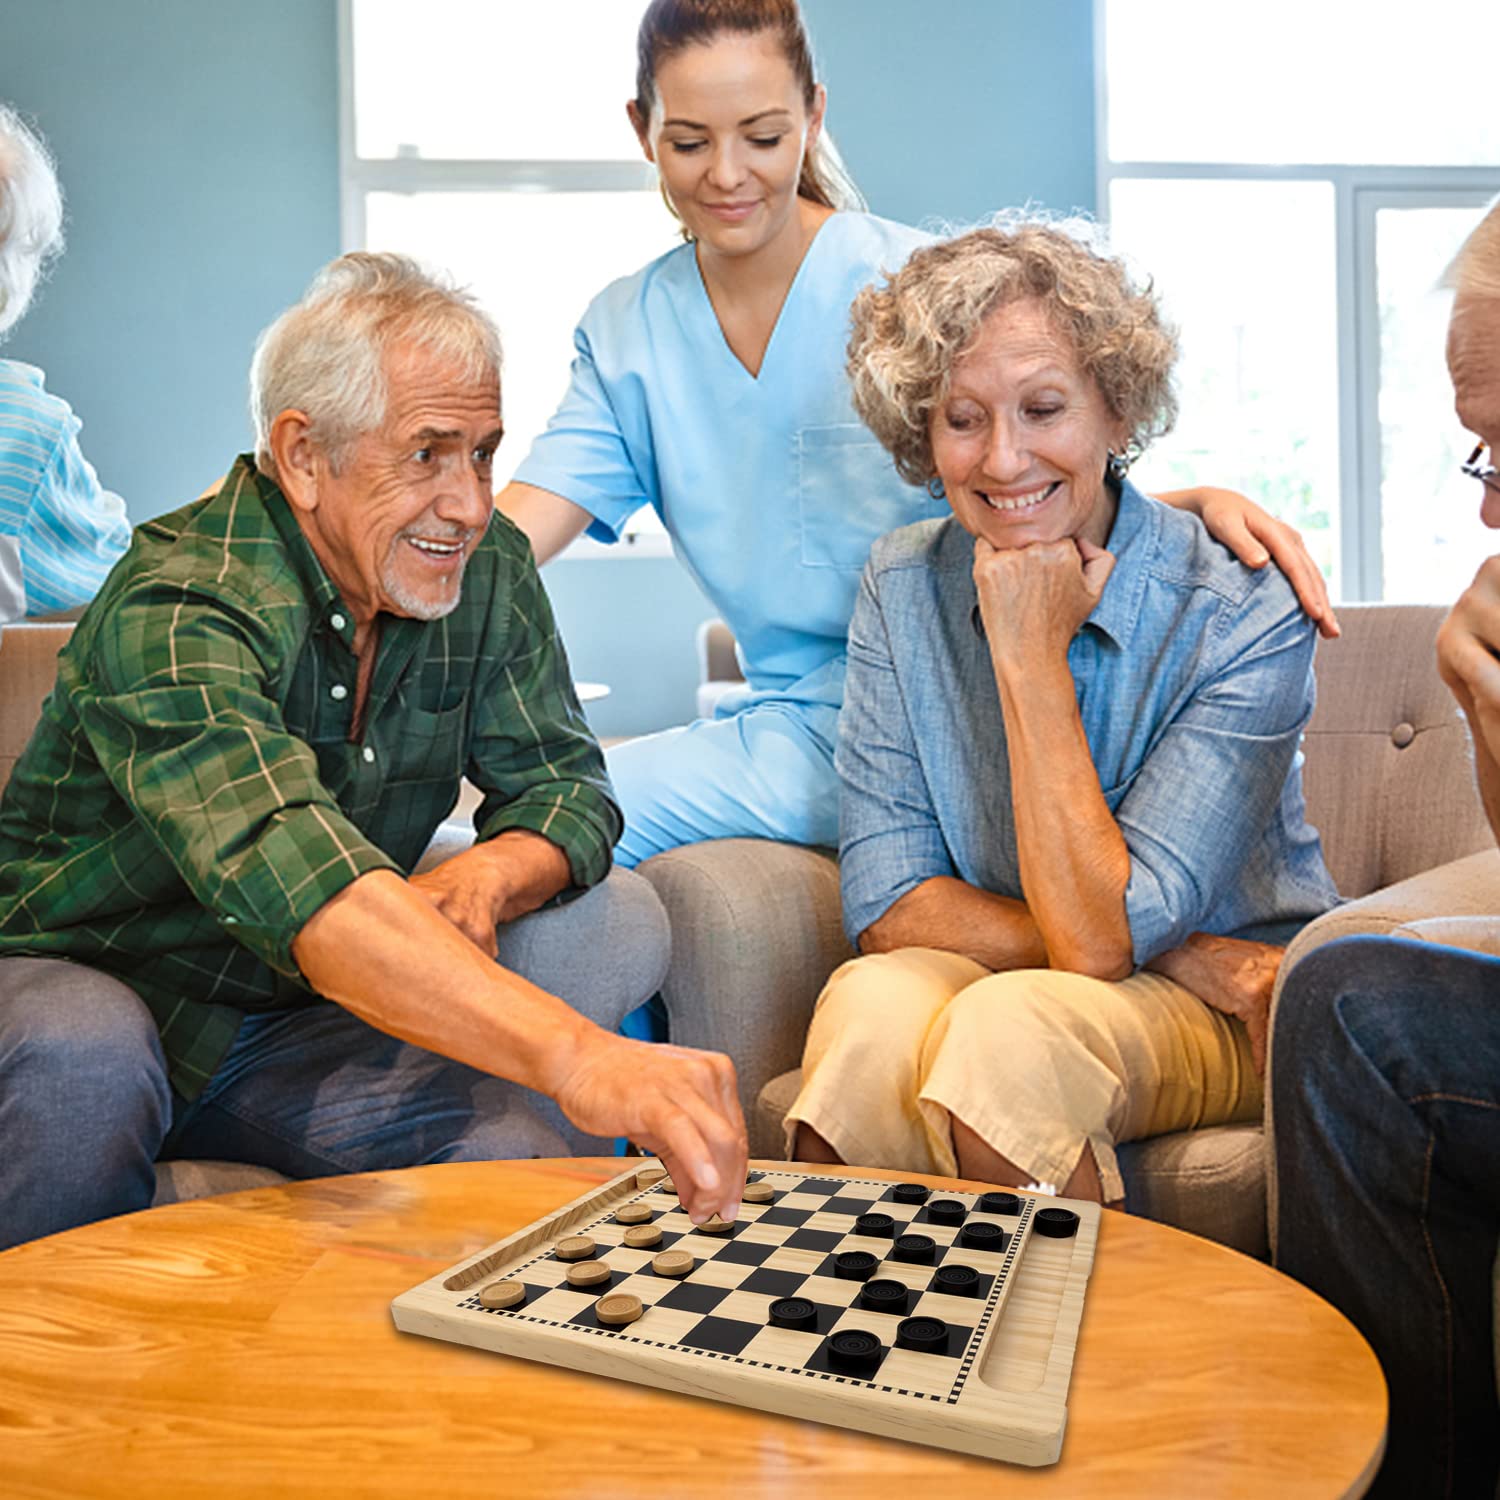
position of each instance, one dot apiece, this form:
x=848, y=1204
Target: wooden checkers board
x=994, y=1382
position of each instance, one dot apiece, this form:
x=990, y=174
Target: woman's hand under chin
x=1033, y=600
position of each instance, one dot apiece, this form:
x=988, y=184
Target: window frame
x=1360, y=191
x=360, y=176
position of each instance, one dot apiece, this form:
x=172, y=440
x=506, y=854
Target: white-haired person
x=710, y=386
x=212, y=941
x=1386, y=1077
x=1072, y=822
x=60, y=532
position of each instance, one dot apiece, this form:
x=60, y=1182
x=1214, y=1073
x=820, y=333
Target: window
x=1295, y=178
x=503, y=154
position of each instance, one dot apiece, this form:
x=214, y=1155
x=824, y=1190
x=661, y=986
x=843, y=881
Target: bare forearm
x=549, y=521
x=956, y=917
x=384, y=953
x=1073, y=859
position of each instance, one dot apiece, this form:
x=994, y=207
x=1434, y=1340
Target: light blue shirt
x=771, y=488
x=1194, y=679
x=60, y=532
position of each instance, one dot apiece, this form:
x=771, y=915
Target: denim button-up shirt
x=1194, y=680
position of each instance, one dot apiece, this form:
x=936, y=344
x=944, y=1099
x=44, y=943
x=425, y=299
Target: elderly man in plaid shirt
x=211, y=939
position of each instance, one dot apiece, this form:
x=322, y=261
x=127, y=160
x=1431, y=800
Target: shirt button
x=369, y=755
x=1402, y=735
x=337, y=621
x=339, y=691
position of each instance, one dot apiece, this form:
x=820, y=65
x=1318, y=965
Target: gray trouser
x=85, y=1108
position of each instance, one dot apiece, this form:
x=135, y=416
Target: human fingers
x=462, y=905
x=692, y=1103
x=1467, y=661
x=1285, y=546
x=1098, y=564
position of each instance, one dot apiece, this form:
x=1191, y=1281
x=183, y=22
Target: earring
x=1118, y=464
x=935, y=488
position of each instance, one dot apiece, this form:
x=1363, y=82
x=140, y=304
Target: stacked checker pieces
x=856, y=1281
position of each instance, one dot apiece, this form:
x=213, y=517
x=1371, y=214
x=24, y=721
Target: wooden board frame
x=1007, y=1396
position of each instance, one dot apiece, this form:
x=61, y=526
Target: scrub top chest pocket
x=848, y=495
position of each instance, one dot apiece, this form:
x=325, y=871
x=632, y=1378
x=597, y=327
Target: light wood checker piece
x=999, y=1388
x=244, y=1344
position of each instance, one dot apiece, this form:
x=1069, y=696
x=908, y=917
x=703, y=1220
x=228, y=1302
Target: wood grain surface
x=243, y=1345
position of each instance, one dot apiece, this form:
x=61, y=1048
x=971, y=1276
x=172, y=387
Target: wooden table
x=243, y=1345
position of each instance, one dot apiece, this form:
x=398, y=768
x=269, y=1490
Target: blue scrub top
x=770, y=487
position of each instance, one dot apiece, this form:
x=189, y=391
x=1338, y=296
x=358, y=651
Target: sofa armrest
x=1456, y=903
x=1466, y=888
x=756, y=930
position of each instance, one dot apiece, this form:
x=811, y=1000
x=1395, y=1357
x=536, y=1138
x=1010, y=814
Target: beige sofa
x=756, y=926
x=28, y=668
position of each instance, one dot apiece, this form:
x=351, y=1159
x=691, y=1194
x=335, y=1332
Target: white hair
x=326, y=356
x=31, y=215
x=1475, y=270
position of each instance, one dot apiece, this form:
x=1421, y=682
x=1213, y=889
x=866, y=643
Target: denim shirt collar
x=1132, y=539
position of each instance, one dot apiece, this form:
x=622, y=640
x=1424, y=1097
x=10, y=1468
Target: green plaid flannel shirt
x=191, y=796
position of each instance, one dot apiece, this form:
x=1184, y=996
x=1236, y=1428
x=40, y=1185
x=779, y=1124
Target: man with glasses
x=1386, y=1061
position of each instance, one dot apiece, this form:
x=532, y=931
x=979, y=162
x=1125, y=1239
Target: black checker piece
x=793, y=1312
x=859, y=1360
x=877, y=1226
x=982, y=1235
x=925, y=1335
x=885, y=1296
x=768, y=1283
x=693, y=1296
x=724, y=1335
x=980, y=1282
x=918, y=1249
x=909, y=1192
x=1000, y=1203
x=1056, y=1223
x=855, y=1265
x=944, y=1211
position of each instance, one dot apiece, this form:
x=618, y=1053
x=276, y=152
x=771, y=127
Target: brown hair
x=909, y=333
x=669, y=26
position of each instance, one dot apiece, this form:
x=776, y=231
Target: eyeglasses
x=1487, y=474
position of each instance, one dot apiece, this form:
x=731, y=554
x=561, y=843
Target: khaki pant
x=1036, y=1062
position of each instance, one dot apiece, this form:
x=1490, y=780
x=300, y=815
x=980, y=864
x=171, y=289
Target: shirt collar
x=1130, y=539
x=326, y=607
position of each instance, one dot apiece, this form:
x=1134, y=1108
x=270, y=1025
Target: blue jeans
x=1386, y=1091
x=85, y=1108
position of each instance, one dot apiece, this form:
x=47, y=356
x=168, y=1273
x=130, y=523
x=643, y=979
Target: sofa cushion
x=178, y=1181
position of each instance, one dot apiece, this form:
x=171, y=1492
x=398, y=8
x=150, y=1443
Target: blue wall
x=954, y=108
x=197, y=142
x=198, y=145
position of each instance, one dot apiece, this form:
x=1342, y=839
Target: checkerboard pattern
x=784, y=1248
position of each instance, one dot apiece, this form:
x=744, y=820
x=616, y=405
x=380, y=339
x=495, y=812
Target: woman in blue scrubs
x=711, y=386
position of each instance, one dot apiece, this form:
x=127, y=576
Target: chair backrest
x=1389, y=775
x=28, y=668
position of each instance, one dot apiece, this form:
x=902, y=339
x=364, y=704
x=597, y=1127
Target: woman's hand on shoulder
x=1034, y=599
x=1256, y=537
